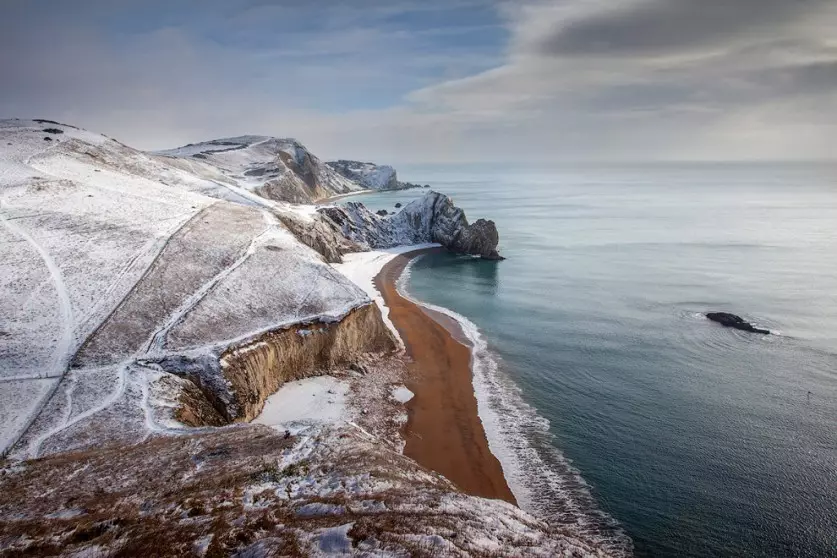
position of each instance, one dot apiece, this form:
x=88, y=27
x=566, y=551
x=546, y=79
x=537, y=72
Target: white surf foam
x=542, y=480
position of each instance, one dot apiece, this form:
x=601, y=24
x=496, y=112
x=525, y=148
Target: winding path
x=63, y=350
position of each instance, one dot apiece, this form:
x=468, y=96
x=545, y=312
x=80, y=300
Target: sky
x=420, y=81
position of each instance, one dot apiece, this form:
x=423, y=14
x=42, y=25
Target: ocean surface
x=616, y=408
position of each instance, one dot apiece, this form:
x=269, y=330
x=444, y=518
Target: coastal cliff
x=431, y=218
x=174, y=295
x=254, y=370
x=280, y=169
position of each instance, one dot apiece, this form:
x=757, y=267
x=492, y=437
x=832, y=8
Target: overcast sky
x=415, y=81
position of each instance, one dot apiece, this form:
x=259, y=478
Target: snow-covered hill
x=112, y=256
x=275, y=168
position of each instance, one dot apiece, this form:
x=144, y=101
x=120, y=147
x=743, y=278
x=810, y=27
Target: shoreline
x=444, y=431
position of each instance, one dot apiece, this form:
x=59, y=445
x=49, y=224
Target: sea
x=619, y=412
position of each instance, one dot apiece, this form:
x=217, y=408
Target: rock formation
x=731, y=320
x=431, y=218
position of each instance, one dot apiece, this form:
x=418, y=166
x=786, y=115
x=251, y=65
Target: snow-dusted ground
x=303, y=403
x=254, y=162
x=402, y=394
x=76, y=236
x=362, y=267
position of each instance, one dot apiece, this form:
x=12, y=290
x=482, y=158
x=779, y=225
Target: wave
x=542, y=479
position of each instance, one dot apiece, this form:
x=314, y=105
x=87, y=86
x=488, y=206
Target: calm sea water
x=616, y=398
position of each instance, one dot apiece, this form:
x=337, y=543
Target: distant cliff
x=280, y=169
x=370, y=175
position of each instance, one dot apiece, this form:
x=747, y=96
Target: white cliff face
x=275, y=168
x=369, y=175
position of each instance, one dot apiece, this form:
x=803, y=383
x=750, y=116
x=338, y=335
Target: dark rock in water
x=731, y=320
x=397, y=205
x=381, y=212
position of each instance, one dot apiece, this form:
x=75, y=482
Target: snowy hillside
x=113, y=256
x=369, y=175
x=277, y=169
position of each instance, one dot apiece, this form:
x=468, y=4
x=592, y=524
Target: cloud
x=595, y=79
x=665, y=26
x=409, y=81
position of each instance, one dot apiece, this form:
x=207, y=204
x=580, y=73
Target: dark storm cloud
x=658, y=26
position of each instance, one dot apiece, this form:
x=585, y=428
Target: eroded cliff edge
x=238, y=382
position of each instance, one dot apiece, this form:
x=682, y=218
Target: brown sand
x=444, y=432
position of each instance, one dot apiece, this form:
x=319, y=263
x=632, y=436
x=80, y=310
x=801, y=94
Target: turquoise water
x=621, y=410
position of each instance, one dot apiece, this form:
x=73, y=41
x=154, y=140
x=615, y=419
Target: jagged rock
x=731, y=320
x=397, y=205
x=381, y=212
x=431, y=218
x=320, y=234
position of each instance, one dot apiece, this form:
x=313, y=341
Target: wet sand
x=444, y=432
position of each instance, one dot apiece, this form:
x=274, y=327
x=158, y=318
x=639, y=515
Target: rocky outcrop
x=431, y=218
x=731, y=320
x=322, y=235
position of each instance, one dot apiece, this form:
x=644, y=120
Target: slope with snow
x=113, y=257
x=275, y=168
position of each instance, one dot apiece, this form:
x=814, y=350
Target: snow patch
x=402, y=394
x=303, y=403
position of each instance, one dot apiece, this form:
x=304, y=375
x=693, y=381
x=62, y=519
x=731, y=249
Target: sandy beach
x=444, y=432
